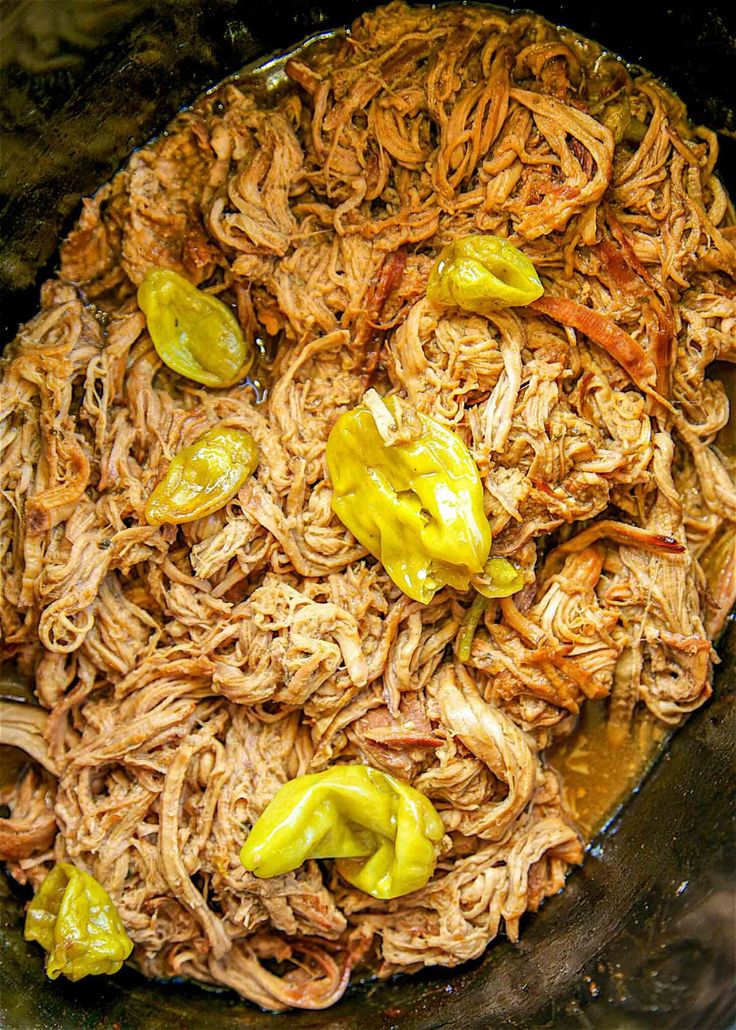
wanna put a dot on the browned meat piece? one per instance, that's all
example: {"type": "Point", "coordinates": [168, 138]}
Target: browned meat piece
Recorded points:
{"type": "Point", "coordinates": [31, 828]}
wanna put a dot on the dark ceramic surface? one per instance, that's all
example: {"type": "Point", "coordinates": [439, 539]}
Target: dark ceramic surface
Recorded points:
{"type": "Point", "coordinates": [643, 936]}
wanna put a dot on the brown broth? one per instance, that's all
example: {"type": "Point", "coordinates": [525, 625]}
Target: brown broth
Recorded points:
{"type": "Point", "coordinates": [597, 776]}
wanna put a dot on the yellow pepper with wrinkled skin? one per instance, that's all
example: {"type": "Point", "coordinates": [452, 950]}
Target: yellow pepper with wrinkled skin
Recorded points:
{"type": "Point", "coordinates": [75, 922]}
{"type": "Point", "coordinates": [203, 477]}
{"type": "Point", "coordinates": [194, 333]}
{"type": "Point", "coordinates": [416, 505]}
{"type": "Point", "coordinates": [383, 832]}
{"type": "Point", "coordinates": [483, 274]}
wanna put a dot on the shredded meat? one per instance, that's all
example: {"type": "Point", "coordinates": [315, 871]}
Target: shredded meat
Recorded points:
{"type": "Point", "coordinates": [185, 673]}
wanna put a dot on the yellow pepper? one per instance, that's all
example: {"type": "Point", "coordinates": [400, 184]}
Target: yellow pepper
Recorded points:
{"type": "Point", "coordinates": [383, 833]}
{"type": "Point", "coordinates": [73, 919]}
{"type": "Point", "coordinates": [415, 501]}
{"type": "Point", "coordinates": [203, 477]}
{"type": "Point", "coordinates": [482, 274]}
{"type": "Point", "coordinates": [500, 579]}
{"type": "Point", "coordinates": [194, 333]}
{"type": "Point", "coordinates": [469, 625]}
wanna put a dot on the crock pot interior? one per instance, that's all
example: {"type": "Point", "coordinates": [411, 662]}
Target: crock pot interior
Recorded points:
{"type": "Point", "coordinates": [642, 937]}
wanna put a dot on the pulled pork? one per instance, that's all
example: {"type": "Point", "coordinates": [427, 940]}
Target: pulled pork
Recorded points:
{"type": "Point", "coordinates": [189, 672]}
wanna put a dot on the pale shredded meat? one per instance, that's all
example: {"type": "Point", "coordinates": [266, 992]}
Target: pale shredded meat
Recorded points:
{"type": "Point", "coordinates": [189, 672]}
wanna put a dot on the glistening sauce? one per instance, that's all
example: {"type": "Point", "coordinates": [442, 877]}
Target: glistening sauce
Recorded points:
{"type": "Point", "coordinates": [597, 775]}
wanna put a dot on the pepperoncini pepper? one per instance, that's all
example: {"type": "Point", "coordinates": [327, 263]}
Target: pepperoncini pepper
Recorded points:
{"type": "Point", "coordinates": [194, 333]}
{"type": "Point", "coordinates": [469, 625]}
{"type": "Point", "coordinates": [410, 492]}
{"type": "Point", "coordinates": [203, 477]}
{"type": "Point", "coordinates": [483, 274]}
{"type": "Point", "coordinates": [383, 833]}
{"type": "Point", "coordinates": [73, 919]}
{"type": "Point", "coordinates": [499, 578]}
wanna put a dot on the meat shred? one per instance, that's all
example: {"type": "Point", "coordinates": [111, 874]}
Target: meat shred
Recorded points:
{"type": "Point", "coordinates": [189, 672]}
